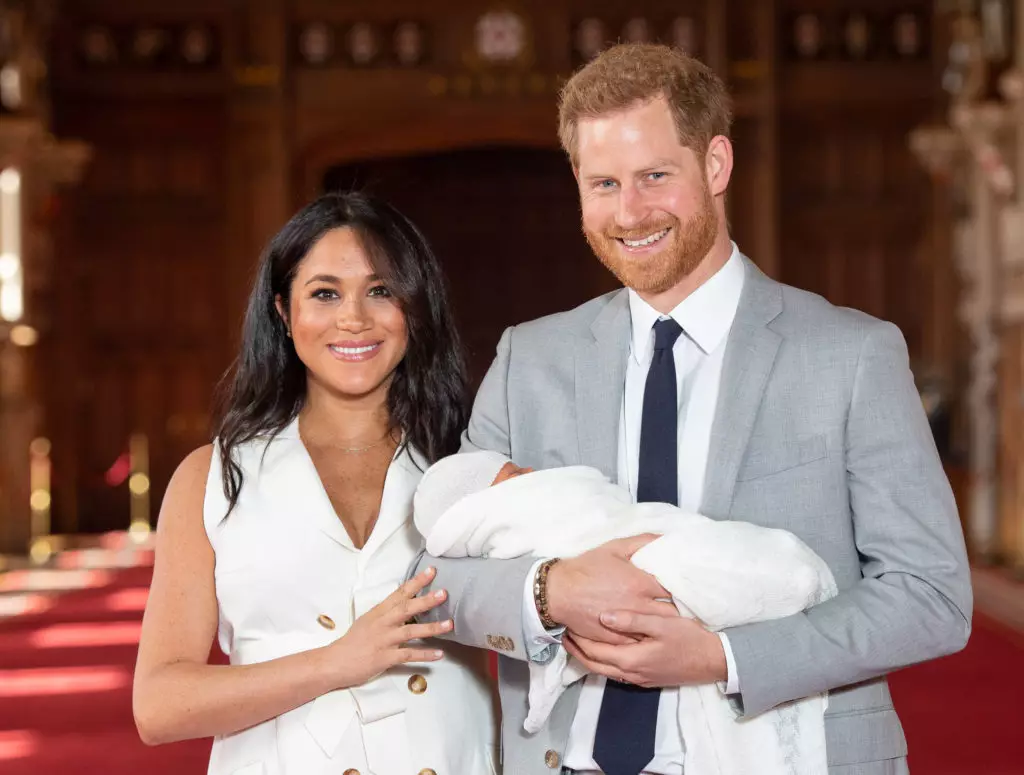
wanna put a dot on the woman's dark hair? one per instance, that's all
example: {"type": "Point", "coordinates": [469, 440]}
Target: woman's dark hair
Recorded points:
{"type": "Point", "coordinates": [428, 399]}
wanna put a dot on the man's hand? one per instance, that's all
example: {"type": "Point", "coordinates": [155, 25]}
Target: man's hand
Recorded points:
{"type": "Point", "coordinates": [581, 588]}
{"type": "Point", "coordinates": [671, 651]}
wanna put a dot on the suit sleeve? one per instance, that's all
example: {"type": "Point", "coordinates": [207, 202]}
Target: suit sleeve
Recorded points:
{"type": "Point", "coordinates": [914, 601]}
{"type": "Point", "coordinates": [485, 596]}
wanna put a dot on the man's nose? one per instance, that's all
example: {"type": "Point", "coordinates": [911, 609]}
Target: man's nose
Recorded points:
{"type": "Point", "coordinates": [632, 209]}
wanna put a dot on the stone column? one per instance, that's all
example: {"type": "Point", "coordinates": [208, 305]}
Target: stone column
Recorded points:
{"type": "Point", "coordinates": [944, 151]}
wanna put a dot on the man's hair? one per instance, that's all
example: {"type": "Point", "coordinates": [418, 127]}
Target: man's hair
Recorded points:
{"type": "Point", "coordinates": [632, 73]}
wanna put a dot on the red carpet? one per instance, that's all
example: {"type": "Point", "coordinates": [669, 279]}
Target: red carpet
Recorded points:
{"type": "Point", "coordinates": [66, 663]}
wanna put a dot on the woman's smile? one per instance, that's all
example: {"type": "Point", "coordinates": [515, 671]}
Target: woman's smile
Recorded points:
{"type": "Point", "coordinates": [355, 352]}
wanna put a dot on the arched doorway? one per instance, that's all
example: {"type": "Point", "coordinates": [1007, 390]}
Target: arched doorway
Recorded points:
{"type": "Point", "coordinates": [504, 222]}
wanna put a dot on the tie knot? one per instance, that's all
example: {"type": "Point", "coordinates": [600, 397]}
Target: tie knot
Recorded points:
{"type": "Point", "coordinates": [665, 334]}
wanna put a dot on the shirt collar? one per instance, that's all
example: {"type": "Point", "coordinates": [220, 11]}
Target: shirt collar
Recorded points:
{"type": "Point", "coordinates": [705, 315]}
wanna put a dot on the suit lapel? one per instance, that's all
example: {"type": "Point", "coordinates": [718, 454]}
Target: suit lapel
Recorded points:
{"type": "Point", "coordinates": [749, 357]}
{"type": "Point", "coordinates": [600, 370]}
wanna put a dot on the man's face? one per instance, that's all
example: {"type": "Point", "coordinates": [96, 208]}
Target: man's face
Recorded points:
{"type": "Point", "coordinates": [648, 212]}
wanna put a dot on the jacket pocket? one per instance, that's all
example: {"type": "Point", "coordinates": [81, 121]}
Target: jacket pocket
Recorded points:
{"type": "Point", "coordinates": [246, 752]}
{"type": "Point", "coordinates": [779, 457]}
{"type": "Point", "coordinates": [857, 737]}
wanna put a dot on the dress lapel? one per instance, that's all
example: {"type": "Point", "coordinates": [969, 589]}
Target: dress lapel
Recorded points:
{"type": "Point", "coordinates": [295, 486]}
{"type": "Point", "coordinates": [403, 475]}
{"type": "Point", "coordinates": [300, 492]}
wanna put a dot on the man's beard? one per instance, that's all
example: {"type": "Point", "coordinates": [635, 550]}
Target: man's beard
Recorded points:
{"type": "Point", "coordinates": [659, 272]}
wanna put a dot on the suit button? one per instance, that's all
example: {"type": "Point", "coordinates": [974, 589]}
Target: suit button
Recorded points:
{"type": "Point", "coordinates": [427, 771]}
{"type": "Point", "coordinates": [328, 624]}
{"type": "Point", "coordinates": [552, 760]}
{"type": "Point", "coordinates": [418, 685]}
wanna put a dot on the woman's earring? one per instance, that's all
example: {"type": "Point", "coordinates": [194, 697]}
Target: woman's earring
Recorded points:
{"type": "Point", "coordinates": [288, 333]}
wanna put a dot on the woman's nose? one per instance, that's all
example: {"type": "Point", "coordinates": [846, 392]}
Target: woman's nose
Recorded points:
{"type": "Point", "coordinates": [352, 316]}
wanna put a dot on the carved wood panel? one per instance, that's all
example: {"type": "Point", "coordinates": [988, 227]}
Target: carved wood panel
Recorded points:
{"type": "Point", "coordinates": [212, 120]}
{"type": "Point", "coordinates": [854, 212]}
{"type": "Point", "coordinates": [138, 337]}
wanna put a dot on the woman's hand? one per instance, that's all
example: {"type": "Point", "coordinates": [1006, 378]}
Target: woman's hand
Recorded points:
{"type": "Point", "coordinates": [377, 640]}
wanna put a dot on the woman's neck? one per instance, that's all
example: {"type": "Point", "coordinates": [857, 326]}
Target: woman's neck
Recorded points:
{"type": "Point", "coordinates": [331, 419]}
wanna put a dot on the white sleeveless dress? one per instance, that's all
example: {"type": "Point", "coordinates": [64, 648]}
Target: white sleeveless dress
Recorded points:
{"type": "Point", "coordinates": [289, 579]}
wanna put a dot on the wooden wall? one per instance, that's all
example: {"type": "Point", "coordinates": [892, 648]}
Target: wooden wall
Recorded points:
{"type": "Point", "coordinates": [139, 332]}
{"type": "Point", "coordinates": [203, 148]}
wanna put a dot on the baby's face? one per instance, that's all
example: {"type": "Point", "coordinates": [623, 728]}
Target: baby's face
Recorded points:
{"type": "Point", "coordinates": [510, 471]}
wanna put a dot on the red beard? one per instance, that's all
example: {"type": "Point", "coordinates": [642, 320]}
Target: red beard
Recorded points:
{"type": "Point", "coordinates": [657, 273]}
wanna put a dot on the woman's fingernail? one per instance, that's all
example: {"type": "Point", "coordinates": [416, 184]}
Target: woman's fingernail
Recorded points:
{"type": "Point", "coordinates": [609, 618]}
{"type": "Point", "coordinates": [446, 625]}
{"type": "Point", "coordinates": [439, 653]}
{"type": "Point", "coordinates": [439, 594]}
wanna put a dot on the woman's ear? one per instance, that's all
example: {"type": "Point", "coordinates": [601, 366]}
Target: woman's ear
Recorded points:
{"type": "Point", "coordinates": [279, 304]}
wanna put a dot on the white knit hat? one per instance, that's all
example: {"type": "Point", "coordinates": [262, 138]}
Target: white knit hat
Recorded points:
{"type": "Point", "coordinates": [450, 480]}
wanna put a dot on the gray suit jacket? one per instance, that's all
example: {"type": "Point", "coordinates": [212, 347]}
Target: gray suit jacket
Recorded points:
{"type": "Point", "coordinates": [818, 430]}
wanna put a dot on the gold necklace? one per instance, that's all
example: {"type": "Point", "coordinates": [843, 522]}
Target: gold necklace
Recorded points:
{"type": "Point", "coordinates": [357, 450]}
{"type": "Point", "coordinates": [354, 450]}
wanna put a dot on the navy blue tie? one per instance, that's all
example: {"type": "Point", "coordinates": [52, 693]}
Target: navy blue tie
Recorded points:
{"type": "Point", "coordinates": [628, 720]}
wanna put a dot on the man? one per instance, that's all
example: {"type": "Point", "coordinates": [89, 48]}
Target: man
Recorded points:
{"type": "Point", "coordinates": [708, 385]}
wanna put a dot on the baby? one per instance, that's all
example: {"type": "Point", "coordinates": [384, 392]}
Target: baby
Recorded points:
{"type": "Point", "coordinates": [723, 573]}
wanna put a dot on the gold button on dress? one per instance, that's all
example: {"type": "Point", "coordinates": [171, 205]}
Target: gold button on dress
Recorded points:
{"type": "Point", "coordinates": [328, 624]}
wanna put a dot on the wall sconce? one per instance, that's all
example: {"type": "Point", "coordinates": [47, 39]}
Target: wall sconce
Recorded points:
{"type": "Point", "coordinates": [12, 301]}
{"type": "Point", "coordinates": [138, 487]}
{"type": "Point", "coordinates": [40, 499]}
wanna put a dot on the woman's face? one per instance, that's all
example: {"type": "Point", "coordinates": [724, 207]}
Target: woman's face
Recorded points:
{"type": "Point", "coordinates": [347, 328]}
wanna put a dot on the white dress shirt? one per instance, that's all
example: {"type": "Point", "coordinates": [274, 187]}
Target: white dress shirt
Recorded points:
{"type": "Point", "coordinates": [705, 316]}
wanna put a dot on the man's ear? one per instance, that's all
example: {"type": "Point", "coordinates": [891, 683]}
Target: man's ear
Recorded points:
{"type": "Point", "coordinates": [279, 305]}
{"type": "Point", "coordinates": [718, 164]}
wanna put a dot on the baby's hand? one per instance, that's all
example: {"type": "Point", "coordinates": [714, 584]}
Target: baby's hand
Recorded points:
{"type": "Point", "coordinates": [510, 471]}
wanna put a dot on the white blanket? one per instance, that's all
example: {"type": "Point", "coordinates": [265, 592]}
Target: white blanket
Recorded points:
{"type": "Point", "coordinates": [722, 573]}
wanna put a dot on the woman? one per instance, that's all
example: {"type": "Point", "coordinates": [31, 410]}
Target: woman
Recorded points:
{"type": "Point", "coordinates": [290, 535]}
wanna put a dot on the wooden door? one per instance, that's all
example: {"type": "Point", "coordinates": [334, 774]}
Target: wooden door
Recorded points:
{"type": "Point", "coordinates": [505, 225]}
{"type": "Point", "coordinates": [138, 334]}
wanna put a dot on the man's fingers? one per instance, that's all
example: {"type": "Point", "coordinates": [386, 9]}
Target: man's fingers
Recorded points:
{"type": "Point", "coordinates": [649, 587]}
{"type": "Point", "coordinates": [592, 665]}
{"type": "Point", "coordinates": [602, 653]}
{"type": "Point", "coordinates": [650, 626]}
{"type": "Point", "coordinates": [627, 547]}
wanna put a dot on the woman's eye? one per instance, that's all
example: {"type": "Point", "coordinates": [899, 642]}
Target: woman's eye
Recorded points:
{"type": "Point", "coordinates": [380, 291]}
{"type": "Point", "coordinates": [324, 294]}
